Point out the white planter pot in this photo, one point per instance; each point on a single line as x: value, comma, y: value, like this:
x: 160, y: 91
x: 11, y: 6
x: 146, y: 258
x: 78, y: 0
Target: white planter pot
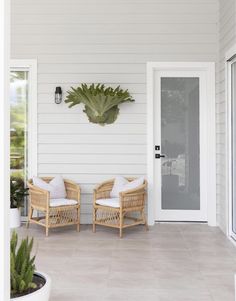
x: 42, y: 294
x: 14, y: 217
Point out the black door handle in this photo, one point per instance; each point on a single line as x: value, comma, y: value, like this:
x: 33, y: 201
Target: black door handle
x: 158, y: 156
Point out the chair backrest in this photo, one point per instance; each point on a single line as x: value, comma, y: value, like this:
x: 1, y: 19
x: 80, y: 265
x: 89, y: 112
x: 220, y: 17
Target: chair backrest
x: 46, y: 179
x: 108, y: 185
x: 68, y: 183
x: 132, y: 179
x: 31, y: 184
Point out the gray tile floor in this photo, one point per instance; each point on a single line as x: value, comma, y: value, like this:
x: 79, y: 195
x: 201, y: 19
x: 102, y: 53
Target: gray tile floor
x: 170, y: 262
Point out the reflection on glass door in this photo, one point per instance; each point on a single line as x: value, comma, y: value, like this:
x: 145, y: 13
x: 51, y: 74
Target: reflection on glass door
x: 180, y: 166
x: 19, y: 124
x: 233, y: 144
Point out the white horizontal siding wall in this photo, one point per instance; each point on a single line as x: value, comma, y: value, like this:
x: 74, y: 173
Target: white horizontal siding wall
x: 227, y: 37
x: 106, y: 41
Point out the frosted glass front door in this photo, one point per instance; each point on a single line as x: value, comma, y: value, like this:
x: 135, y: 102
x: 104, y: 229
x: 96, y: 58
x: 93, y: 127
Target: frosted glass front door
x: 184, y: 142
x: 180, y: 166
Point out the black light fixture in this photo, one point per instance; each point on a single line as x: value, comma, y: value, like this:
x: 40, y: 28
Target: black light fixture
x: 58, y: 95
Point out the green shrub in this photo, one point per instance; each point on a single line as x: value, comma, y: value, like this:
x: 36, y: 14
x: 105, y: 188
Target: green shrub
x: 22, y: 266
x: 18, y: 192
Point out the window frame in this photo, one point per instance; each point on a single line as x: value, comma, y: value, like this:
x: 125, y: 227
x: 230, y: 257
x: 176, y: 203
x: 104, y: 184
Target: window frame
x: 229, y: 60
x: 31, y: 67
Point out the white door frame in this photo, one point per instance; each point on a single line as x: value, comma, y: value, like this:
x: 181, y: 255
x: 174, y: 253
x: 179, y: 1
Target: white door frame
x: 4, y: 151
x: 31, y: 67
x: 228, y: 147
x: 209, y: 68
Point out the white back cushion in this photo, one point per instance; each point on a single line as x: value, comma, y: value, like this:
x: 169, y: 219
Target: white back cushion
x: 121, y: 184
x: 134, y: 184
x: 56, y: 186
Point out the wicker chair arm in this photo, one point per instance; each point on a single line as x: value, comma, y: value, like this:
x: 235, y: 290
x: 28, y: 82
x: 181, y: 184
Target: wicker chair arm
x: 39, y: 198
x: 37, y: 190
x: 72, y: 185
x: 73, y: 190
x: 103, y: 190
x: 141, y: 189
x: 101, y: 194
x: 107, y: 185
x: 133, y: 197
x: 134, y: 194
x: 133, y: 200
x: 41, y: 192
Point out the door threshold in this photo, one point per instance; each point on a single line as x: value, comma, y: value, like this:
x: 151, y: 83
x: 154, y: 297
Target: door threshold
x: 180, y: 222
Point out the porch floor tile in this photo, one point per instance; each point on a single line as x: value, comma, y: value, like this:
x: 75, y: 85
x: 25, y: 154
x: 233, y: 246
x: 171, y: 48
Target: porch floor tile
x: 170, y: 262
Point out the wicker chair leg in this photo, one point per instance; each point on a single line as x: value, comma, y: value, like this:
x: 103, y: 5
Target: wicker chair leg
x: 30, y: 215
x: 94, y: 220
x: 78, y: 217
x: 78, y: 224
x: 145, y: 220
x: 47, y: 231
x: 47, y: 222
x: 94, y: 228
x: 121, y: 224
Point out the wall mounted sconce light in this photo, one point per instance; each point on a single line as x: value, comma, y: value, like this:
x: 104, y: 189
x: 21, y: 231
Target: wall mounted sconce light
x: 58, y: 95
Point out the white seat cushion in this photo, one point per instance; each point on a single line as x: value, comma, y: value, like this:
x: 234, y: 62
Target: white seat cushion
x: 62, y: 202
x: 112, y: 202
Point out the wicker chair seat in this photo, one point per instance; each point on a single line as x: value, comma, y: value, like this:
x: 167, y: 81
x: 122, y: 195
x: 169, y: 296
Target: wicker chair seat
x: 62, y: 202
x: 110, y: 202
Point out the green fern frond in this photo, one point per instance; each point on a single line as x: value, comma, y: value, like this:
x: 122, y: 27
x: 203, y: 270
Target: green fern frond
x: 101, y: 103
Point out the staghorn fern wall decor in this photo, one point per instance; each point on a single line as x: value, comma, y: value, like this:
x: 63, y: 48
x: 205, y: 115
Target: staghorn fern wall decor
x: 101, y: 103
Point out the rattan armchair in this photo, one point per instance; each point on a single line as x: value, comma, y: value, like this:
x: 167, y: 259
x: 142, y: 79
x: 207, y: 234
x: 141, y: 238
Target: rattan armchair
x: 129, y: 212
x: 50, y: 216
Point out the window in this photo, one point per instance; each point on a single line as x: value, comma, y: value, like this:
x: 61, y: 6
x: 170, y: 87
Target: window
x: 19, y: 123
x: 231, y: 137
x: 23, y: 120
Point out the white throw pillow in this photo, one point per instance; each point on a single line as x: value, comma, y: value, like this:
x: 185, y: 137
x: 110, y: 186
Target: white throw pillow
x: 56, y: 186
x: 134, y: 184
x: 121, y: 184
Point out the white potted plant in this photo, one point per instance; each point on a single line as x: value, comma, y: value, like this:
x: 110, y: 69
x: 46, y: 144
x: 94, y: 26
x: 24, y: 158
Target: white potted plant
x: 18, y: 193
x: 27, y: 284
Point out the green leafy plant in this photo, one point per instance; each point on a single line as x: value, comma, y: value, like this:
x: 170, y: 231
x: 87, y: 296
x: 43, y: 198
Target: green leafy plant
x: 18, y: 192
x: 101, y: 103
x: 22, y: 266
